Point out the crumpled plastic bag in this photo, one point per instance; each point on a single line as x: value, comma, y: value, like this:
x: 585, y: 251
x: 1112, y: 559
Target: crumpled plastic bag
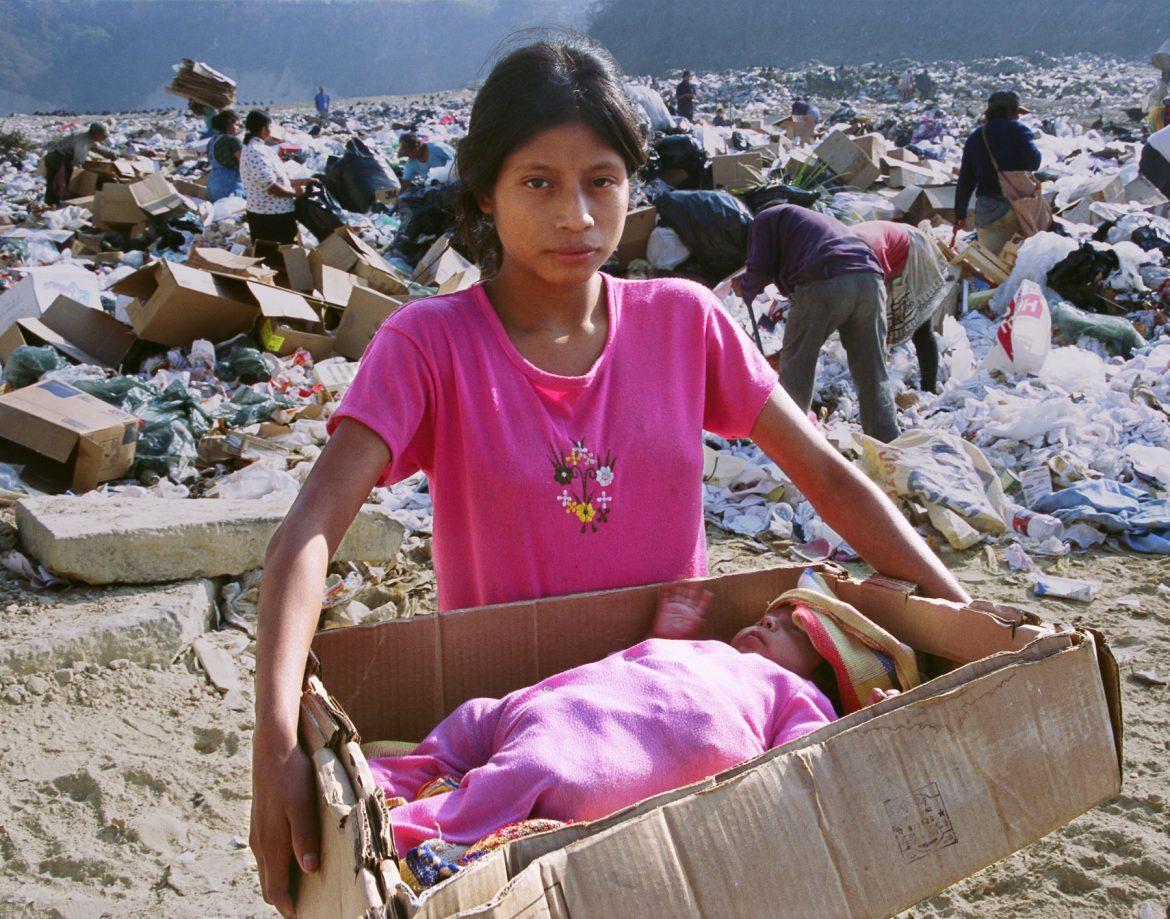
x: 951, y: 477
x: 27, y: 364
x: 1024, y: 337
x: 665, y: 250
x: 255, y: 482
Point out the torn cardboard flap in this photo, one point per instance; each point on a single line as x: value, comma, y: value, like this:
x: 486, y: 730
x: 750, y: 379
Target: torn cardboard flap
x: 156, y: 196
x: 90, y: 441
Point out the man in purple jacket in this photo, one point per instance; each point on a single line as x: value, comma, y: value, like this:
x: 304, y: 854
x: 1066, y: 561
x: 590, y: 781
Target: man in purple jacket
x: 834, y: 284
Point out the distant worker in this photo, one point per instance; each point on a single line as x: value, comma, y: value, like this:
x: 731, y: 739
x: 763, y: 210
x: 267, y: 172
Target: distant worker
x: 684, y: 97
x: 204, y: 111
x: 321, y: 101
x: 270, y: 193
x: 720, y: 119
x: 834, y: 284
x: 422, y: 156
x: 916, y: 282
x: 906, y: 86
x: 1000, y: 143
x: 805, y: 118
x: 69, y: 151
x: 924, y: 85
x: 223, y: 157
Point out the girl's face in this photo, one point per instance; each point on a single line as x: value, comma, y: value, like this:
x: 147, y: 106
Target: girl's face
x: 559, y: 204
x: 781, y: 641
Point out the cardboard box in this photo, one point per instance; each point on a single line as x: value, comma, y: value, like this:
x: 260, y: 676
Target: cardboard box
x: 74, y: 434
x: 175, y: 304
x: 730, y: 172
x: 874, y: 145
x: 364, y: 313
x: 42, y: 286
x: 116, y: 204
x: 221, y: 261
x: 917, y: 203
x: 440, y: 263
x: 905, y: 175
x: 640, y: 223
x: 345, y: 250
x: 847, y: 160
x: 864, y: 817
x: 289, y: 322
x: 82, y: 333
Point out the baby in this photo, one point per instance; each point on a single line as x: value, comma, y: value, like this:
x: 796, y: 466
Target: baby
x: 587, y: 742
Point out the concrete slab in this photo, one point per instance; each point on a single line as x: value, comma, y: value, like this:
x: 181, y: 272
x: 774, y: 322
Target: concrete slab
x: 147, y: 626
x: 154, y: 540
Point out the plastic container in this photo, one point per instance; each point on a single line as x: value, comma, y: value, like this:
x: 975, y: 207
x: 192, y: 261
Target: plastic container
x: 1035, y: 525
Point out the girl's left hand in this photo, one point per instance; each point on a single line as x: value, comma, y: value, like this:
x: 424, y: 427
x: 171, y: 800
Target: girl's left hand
x: 680, y: 611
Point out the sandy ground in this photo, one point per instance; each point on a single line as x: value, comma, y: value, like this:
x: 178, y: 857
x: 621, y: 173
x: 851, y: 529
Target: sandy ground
x: 126, y: 790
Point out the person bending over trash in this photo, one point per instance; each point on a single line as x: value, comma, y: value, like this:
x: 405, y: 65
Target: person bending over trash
x: 916, y: 282
x: 557, y: 413
x: 1001, y: 143
x: 70, y: 151
x: 834, y: 284
x: 667, y: 712
x: 422, y: 156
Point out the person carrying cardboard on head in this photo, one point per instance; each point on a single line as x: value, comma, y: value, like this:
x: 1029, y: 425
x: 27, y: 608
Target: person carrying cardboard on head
x: 69, y: 151
x: 560, y: 432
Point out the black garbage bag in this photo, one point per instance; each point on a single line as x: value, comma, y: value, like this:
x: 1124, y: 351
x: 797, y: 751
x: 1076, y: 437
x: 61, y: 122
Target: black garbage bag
x: 763, y: 196
x: 425, y: 212
x: 319, y: 212
x: 356, y: 177
x: 27, y: 364
x: 679, y: 152
x: 1152, y: 238
x: 712, y: 224
x: 1079, y: 275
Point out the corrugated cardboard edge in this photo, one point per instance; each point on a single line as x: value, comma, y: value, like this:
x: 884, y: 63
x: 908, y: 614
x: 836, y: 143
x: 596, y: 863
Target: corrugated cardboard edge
x: 358, y: 875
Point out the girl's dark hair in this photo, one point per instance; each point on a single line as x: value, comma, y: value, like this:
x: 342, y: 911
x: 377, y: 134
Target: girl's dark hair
x: 539, y: 86
x: 256, y: 122
x: 221, y: 120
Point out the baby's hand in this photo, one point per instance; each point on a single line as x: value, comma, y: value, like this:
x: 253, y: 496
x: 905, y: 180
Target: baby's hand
x: 880, y: 695
x: 680, y: 611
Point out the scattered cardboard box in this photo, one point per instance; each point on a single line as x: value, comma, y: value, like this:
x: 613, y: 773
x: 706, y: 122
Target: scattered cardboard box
x: 288, y: 322
x: 345, y: 250
x: 874, y: 145
x: 221, y: 261
x: 440, y: 263
x: 934, y: 203
x: 847, y: 160
x: 640, y: 223
x: 366, y: 310
x: 864, y: 817
x: 905, y: 175
x: 729, y: 172
x: 74, y: 435
x: 175, y: 304
x: 42, y: 286
x: 86, y: 335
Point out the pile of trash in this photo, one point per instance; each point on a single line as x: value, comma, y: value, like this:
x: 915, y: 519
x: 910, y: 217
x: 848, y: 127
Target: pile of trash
x: 195, y: 365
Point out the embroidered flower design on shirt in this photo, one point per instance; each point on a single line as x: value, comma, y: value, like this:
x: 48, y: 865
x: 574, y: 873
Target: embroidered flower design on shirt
x: 586, y: 476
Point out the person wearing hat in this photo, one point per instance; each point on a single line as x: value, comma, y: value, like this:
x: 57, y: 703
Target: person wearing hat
x: 422, y: 156
x: 684, y: 97
x: 223, y: 157
x: 72, y: 150
x: 1000, y: 143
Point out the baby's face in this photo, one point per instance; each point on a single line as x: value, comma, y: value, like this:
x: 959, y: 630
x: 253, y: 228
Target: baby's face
x: 781, y: 641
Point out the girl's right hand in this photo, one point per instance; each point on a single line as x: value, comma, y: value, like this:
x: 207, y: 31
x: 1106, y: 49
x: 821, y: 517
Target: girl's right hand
x: 284, y: 821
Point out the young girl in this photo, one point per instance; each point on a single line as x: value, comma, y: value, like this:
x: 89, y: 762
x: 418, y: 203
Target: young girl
x: 558, y: 413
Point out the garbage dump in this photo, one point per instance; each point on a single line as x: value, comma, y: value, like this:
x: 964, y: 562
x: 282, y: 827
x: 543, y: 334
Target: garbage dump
x: 155, y: 353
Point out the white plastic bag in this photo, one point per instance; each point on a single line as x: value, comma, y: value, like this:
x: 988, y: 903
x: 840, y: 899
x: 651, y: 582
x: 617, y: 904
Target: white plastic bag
x: 665, y: 250
x: 1024, y: 337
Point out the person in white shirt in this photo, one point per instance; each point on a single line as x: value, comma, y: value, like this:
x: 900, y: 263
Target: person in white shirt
x: 270, y: 193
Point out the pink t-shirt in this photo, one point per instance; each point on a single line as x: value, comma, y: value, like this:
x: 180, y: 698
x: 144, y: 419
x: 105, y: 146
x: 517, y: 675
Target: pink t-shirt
x: 545, y: 485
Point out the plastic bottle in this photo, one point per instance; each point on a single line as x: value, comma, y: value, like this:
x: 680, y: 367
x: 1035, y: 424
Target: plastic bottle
x: 1035, y: 525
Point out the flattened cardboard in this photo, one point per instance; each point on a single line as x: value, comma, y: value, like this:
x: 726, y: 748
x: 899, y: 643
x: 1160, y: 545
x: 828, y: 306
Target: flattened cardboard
x: 84, y: 438
x: 156, y: 197
x: 640, y: 223
x: 221, y: 261
x: 873, y: 812
x: 175, y: 304
x: 364, y: 313
x: 87, y: 335
x: 30, y: 297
